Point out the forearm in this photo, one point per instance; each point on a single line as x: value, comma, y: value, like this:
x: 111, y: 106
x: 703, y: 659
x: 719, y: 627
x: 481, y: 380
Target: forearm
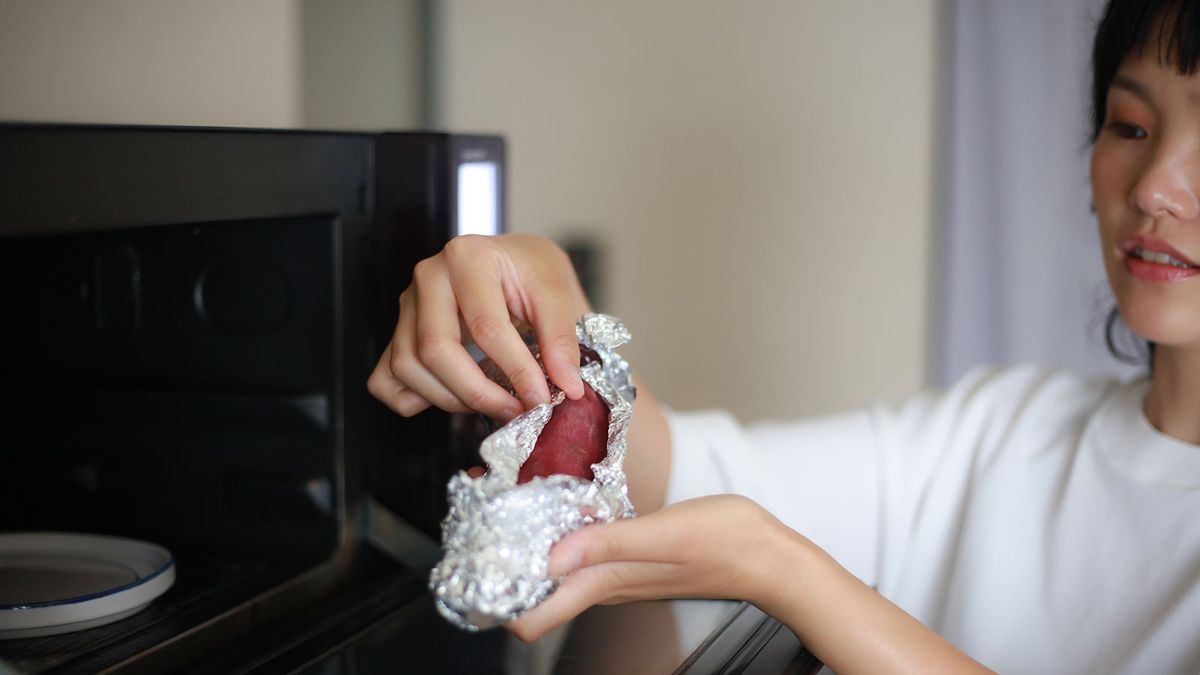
x: 849, y: 626
x: 648, y: 462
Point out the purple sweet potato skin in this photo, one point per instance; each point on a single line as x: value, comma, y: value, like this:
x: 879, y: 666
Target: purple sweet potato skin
x: 575, y: 438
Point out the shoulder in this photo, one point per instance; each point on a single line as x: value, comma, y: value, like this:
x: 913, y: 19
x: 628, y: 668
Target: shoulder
x: 990, y: 405
x: 1027, y: 389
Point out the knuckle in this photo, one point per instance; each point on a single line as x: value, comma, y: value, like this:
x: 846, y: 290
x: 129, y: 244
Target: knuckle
x: 620, y: 577
x: 607, y: 548
x: 522, y: 632
x: 558, y: 254
x: 478, y: 398
x: 566, y: 338
x: 465, y: 246
x: 565, y: 342
x: 520, y: 378
x: 555, y: 257
x: 423, y: 269
x: 604, y: 584
x: 411, y: 405
x: 455, y: 406
x: 534, y: 241
x: 375, y: 383
x: 407, y: 407
x: 431, y: 346
x: 749, y: 510
x: 400, y: 364
x: 485, y: 328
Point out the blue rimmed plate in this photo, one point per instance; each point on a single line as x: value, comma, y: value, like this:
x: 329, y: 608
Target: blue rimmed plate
x: 55, y: 582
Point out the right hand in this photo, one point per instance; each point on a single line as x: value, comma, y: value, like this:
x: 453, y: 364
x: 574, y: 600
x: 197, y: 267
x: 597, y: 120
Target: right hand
x: 476, y: 288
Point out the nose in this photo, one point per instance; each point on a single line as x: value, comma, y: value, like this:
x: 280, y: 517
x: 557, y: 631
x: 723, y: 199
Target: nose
x: 1168, y: 186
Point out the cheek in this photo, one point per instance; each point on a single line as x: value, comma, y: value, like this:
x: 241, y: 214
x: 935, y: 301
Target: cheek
x: 1112, y: 176
x: 1111, y: 185
x: 1114, y: 173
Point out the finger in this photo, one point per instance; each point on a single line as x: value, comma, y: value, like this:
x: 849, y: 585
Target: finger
x: 486, y: 314
x: 645, y: 539
x: 604, y: 584
x: 384, y: 386
x: 405, y: 365
x: 439, y: 346
x: 554, y: 323
x: 575, y: 594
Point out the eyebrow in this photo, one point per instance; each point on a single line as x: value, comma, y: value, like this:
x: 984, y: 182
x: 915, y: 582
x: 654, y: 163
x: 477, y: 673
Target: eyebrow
x: 1130, y: 85
x: 1138, y: 89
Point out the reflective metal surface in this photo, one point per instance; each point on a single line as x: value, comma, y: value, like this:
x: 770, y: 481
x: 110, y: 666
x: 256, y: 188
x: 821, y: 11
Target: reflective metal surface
x: 678, y: 636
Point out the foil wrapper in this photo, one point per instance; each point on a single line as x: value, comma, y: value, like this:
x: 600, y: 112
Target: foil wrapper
x: 497, y: 534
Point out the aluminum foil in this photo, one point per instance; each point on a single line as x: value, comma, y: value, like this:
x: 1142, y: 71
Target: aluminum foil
x: 497, y: 534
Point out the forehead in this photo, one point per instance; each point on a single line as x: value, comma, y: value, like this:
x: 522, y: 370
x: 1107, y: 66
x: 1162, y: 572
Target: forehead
x: 1149, y: 76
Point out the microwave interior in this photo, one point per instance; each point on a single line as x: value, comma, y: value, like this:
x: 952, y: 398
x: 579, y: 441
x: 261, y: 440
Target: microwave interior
x: 190, y: 317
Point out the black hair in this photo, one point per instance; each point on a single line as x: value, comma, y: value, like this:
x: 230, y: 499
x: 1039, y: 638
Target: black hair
x: 1127, y: 28
x: 1123, y: 344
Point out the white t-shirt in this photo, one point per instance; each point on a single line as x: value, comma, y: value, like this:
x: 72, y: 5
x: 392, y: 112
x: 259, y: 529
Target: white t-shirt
x: 1033, y: 518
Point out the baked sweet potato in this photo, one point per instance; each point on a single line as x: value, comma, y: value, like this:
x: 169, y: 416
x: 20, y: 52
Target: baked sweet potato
x: 575, y: 438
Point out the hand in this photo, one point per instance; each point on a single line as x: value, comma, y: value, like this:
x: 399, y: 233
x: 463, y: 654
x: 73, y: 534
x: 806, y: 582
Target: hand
x: 694, y: 549
x: 729, y: 547
x: 475, y: 289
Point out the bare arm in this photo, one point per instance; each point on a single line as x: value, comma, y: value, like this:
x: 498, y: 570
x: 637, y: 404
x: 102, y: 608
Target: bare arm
x: 729, y: 547
x: 848, y: 625
x: 648, y: 463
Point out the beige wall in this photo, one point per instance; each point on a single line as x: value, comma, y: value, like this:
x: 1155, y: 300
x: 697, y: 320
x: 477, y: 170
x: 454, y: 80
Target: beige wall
x: 362, y: 64
x: 349, y: 64
x: 207, y: 62
x: 760, y: 174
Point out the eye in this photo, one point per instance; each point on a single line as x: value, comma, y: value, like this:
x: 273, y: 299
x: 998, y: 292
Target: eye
x: 1127, y: 131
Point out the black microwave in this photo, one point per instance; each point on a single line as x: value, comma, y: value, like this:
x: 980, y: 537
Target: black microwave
x: 189, y: 319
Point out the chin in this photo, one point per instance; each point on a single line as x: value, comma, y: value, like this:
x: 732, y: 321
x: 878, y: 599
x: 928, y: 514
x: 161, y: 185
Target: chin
x: 1164, y: 323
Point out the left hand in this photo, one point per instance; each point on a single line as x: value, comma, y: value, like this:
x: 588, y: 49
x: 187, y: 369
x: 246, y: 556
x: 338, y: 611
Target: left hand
x: 729, y: 547
x: 694, y: 549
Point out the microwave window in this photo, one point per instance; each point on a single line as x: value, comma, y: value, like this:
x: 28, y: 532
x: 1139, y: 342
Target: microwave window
x: 477, y: 193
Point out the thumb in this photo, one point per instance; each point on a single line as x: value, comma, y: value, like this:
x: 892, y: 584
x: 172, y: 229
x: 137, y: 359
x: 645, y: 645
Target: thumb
x: 567, y: 555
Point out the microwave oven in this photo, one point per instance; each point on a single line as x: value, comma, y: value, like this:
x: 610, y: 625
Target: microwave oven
x: 189, y: 319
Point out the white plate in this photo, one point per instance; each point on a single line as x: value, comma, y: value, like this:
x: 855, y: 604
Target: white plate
x: 54, y: 582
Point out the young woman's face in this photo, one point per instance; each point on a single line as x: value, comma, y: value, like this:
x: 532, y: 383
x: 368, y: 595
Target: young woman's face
x: 1146, y: 187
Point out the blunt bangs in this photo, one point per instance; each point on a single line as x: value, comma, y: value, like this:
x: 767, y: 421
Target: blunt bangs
x: 1128, y: 28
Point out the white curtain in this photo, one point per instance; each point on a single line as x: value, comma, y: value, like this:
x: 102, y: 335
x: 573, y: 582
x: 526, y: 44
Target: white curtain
x: 1021, y: 278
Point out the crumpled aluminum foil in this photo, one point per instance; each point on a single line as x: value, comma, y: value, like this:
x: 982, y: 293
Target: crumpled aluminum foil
x: 497, y: 534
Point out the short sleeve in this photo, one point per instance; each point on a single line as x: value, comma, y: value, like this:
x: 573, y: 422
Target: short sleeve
x: 819, y: 476
x: 886, y: 489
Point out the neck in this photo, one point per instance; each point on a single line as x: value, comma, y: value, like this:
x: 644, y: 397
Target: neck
x: 1173, y: 402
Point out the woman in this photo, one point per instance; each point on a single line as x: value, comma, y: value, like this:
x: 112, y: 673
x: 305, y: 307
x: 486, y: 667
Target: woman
x: 1036, y: 521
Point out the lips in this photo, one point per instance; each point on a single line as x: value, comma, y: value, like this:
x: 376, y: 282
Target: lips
x: 1153, y: 259
x: 1153, y: 249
